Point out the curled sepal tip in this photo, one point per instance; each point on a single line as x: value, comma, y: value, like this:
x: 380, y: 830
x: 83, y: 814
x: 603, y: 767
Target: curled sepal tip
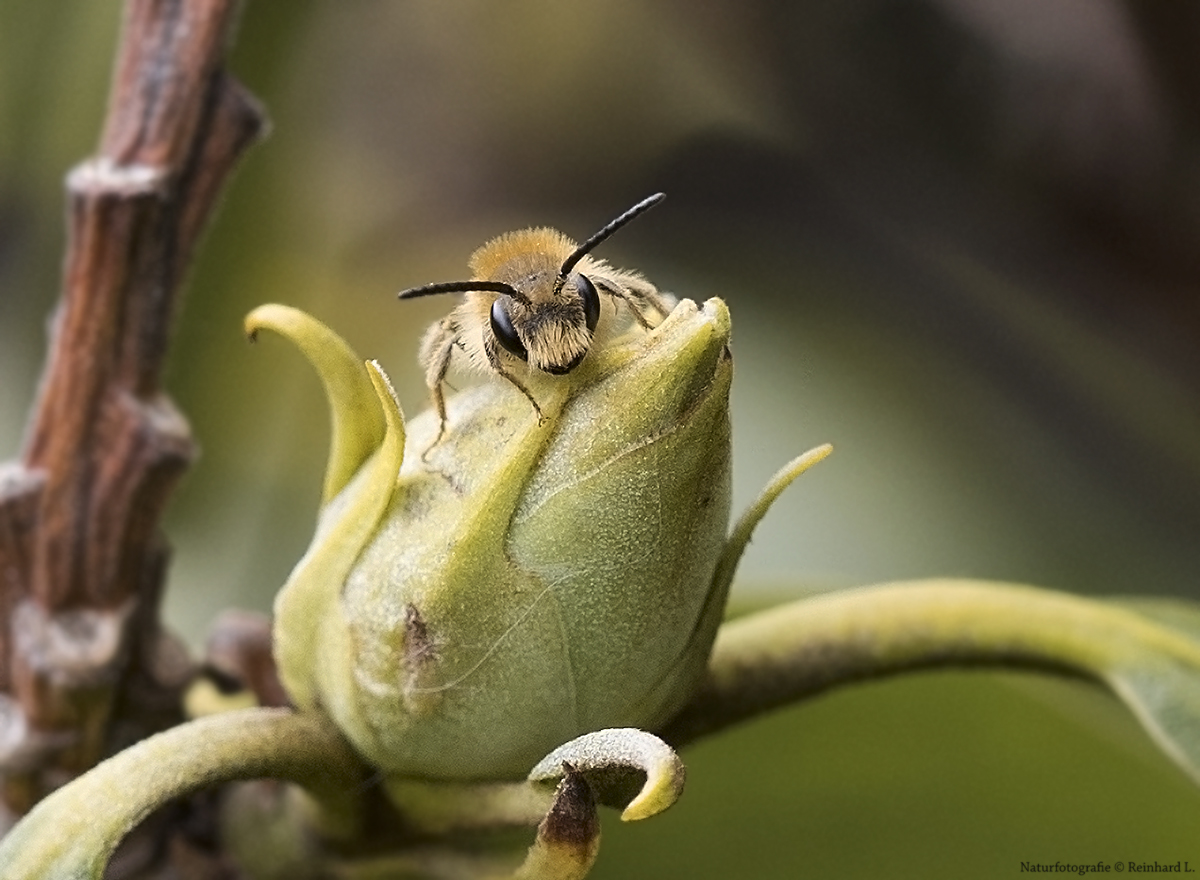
x: 625, y: 767
x: 358, y: 420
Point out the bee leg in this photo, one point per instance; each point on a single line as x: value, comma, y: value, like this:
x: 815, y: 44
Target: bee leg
x: 493, y: 355
x: 537, y: 409
x: 638, y: 296
x: 649, y: 295
x: 436, y: 348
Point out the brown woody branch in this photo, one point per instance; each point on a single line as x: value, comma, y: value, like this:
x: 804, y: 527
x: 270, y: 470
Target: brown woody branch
x: 85, y: 666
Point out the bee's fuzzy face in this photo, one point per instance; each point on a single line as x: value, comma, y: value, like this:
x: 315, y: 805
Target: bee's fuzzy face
x: 554, y: 332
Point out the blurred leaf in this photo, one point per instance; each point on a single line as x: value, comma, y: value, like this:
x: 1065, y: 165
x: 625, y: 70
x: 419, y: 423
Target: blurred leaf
x: 1163, y: 688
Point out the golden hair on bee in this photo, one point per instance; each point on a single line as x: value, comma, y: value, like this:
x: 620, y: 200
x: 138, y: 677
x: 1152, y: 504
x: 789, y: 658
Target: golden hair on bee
x: 535, y: 298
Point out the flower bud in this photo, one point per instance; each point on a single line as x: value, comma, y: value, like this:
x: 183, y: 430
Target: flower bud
x: 465, y: 607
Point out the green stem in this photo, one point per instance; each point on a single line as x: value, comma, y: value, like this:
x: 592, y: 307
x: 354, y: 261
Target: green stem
x: 804, y: 648
x: 72, y: 833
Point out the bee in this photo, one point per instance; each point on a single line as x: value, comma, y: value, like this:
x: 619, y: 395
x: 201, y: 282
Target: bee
x: 535, y: 299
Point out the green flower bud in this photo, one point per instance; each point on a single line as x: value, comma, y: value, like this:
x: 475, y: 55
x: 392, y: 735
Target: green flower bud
x: 460, y: 615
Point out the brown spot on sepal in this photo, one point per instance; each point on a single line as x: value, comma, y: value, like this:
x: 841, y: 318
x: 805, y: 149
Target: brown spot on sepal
x: 421, y: 692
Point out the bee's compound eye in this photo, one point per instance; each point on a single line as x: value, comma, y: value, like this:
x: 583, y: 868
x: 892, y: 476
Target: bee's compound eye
x: 591, y: 301
x: 505, y: 334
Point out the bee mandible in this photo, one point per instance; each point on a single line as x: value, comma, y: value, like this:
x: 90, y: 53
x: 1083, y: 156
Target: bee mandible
x: 535, y: 298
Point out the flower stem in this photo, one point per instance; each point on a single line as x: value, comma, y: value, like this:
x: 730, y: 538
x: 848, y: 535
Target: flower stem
x: 802, y: 649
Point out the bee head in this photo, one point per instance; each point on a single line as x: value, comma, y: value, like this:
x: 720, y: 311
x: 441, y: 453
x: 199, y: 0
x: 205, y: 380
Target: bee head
x: 549, y: 325
x: 552, y: 333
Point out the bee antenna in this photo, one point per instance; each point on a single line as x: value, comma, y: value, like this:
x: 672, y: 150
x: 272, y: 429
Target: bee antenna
x: 463, y: 287
x: 640, y: 208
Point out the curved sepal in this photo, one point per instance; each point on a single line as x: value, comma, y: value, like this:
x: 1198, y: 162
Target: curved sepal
x: 739, y: 537
x: 358, y: 420
x: 307, y: 606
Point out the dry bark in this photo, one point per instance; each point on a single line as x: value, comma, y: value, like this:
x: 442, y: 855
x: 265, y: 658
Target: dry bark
x: 85, y: 665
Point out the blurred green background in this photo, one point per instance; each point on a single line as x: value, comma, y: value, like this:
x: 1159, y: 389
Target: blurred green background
x: 959, y: 240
